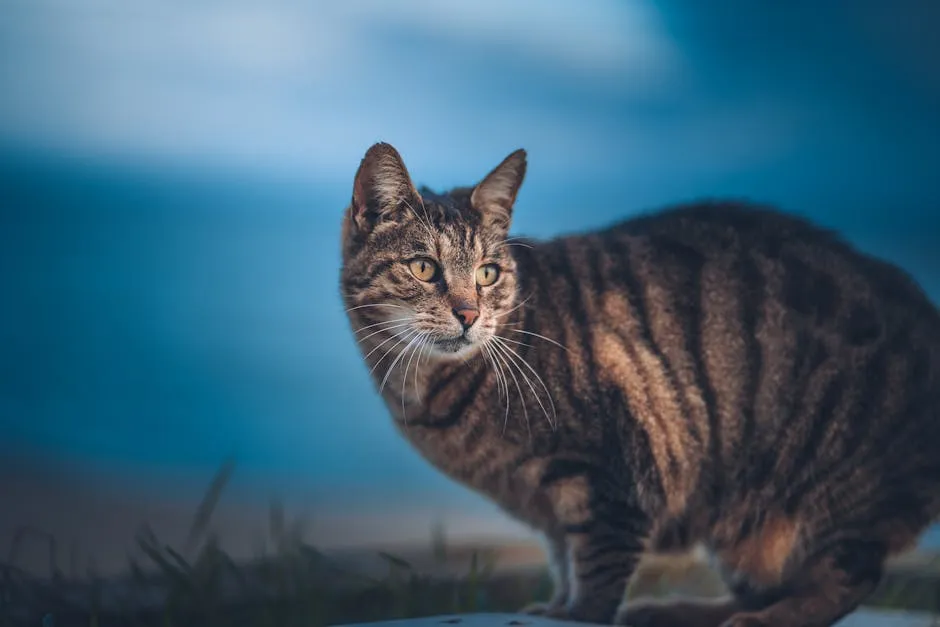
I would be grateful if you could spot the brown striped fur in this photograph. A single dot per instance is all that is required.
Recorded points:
(718, 374)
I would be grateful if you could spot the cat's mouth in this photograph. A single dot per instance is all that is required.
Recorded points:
(452, 344)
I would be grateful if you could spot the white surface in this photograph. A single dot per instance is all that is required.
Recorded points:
(862, 618)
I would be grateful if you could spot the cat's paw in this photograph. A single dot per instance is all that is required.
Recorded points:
(548, 610)
(677, 614)
(539, 609)
(582, 613)
(745, 620)
(647, 615)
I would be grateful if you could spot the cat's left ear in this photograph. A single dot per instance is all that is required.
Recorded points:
(495, 195)
(382, 187)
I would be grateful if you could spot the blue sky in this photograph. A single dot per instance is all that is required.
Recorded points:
(306, 86)
(174, 173)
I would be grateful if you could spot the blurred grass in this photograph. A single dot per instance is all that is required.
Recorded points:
(291, 583)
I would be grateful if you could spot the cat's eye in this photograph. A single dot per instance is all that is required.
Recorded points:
(487, 274)
(423, 269)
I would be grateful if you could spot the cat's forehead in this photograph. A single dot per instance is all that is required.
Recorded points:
(455, 228)
(459, 245)
(446, 233)
(445, 227)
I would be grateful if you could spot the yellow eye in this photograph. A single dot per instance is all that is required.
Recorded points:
(487, 274)
(423, 269)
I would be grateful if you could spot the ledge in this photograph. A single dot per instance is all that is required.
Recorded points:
(861, 618)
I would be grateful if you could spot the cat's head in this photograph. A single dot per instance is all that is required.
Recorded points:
(435, 269)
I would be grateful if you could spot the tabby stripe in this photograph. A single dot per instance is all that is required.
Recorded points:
(611, 571)
(752, 303)
(595, 550)
(691, 324)
(473, 436)
(484, 382)
(456, 409)
(631, 523)
(581, 324)
(604, 574)
(821, 417)
(554, 269)
(580, 528)
(671, 461)
(559, 469)
(695, 345)
(872, 403)
(638, 304)
(807, 363)
(372, 273)
(466, 400)
(471, 235)
(597, 285)
(442, 384)
(635, 296)
(607, 548)
(644, 468)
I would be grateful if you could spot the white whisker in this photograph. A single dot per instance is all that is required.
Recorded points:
(507, 244)
(508, 365)
(375, 305)
(391, 349)
(425, 223)
(425, 343)
(400, 355)
(506, 313)
(502, 386)
(547, 339)
(386, 341)
(500, 378)
(383, 330)
(420, 338)
(506, 339)
(513, 354)
(369, 326)
(513, 364)
(427, 215)
(515, 359)
(517, 239)
(488, 357)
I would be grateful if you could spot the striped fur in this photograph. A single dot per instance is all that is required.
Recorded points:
(719, 374)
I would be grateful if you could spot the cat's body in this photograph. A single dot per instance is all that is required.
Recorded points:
(718, 374)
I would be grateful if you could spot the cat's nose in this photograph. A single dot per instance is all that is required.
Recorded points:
(467, 316)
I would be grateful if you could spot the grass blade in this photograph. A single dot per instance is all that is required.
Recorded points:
(207, 505)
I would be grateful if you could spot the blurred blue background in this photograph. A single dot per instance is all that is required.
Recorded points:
(173, 174)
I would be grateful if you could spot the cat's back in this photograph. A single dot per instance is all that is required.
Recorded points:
(779, 258)
(695, 277)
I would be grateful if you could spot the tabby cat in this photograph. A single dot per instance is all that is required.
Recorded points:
(718, 374)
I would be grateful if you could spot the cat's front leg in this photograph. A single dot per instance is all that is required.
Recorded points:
(603, 557)
(559, 563)
(602, 544)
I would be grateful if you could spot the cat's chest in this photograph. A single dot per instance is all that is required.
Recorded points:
(457, 417)
(460, 432)
(503, 469)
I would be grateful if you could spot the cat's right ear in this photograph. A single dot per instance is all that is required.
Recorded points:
(381, 188)
(495, 195)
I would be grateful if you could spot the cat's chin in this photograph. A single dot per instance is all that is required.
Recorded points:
(459, 346)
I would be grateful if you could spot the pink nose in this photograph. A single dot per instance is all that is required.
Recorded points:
(467, 316)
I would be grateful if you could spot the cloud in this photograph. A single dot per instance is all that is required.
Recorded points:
(294, 84)
(600, 37)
